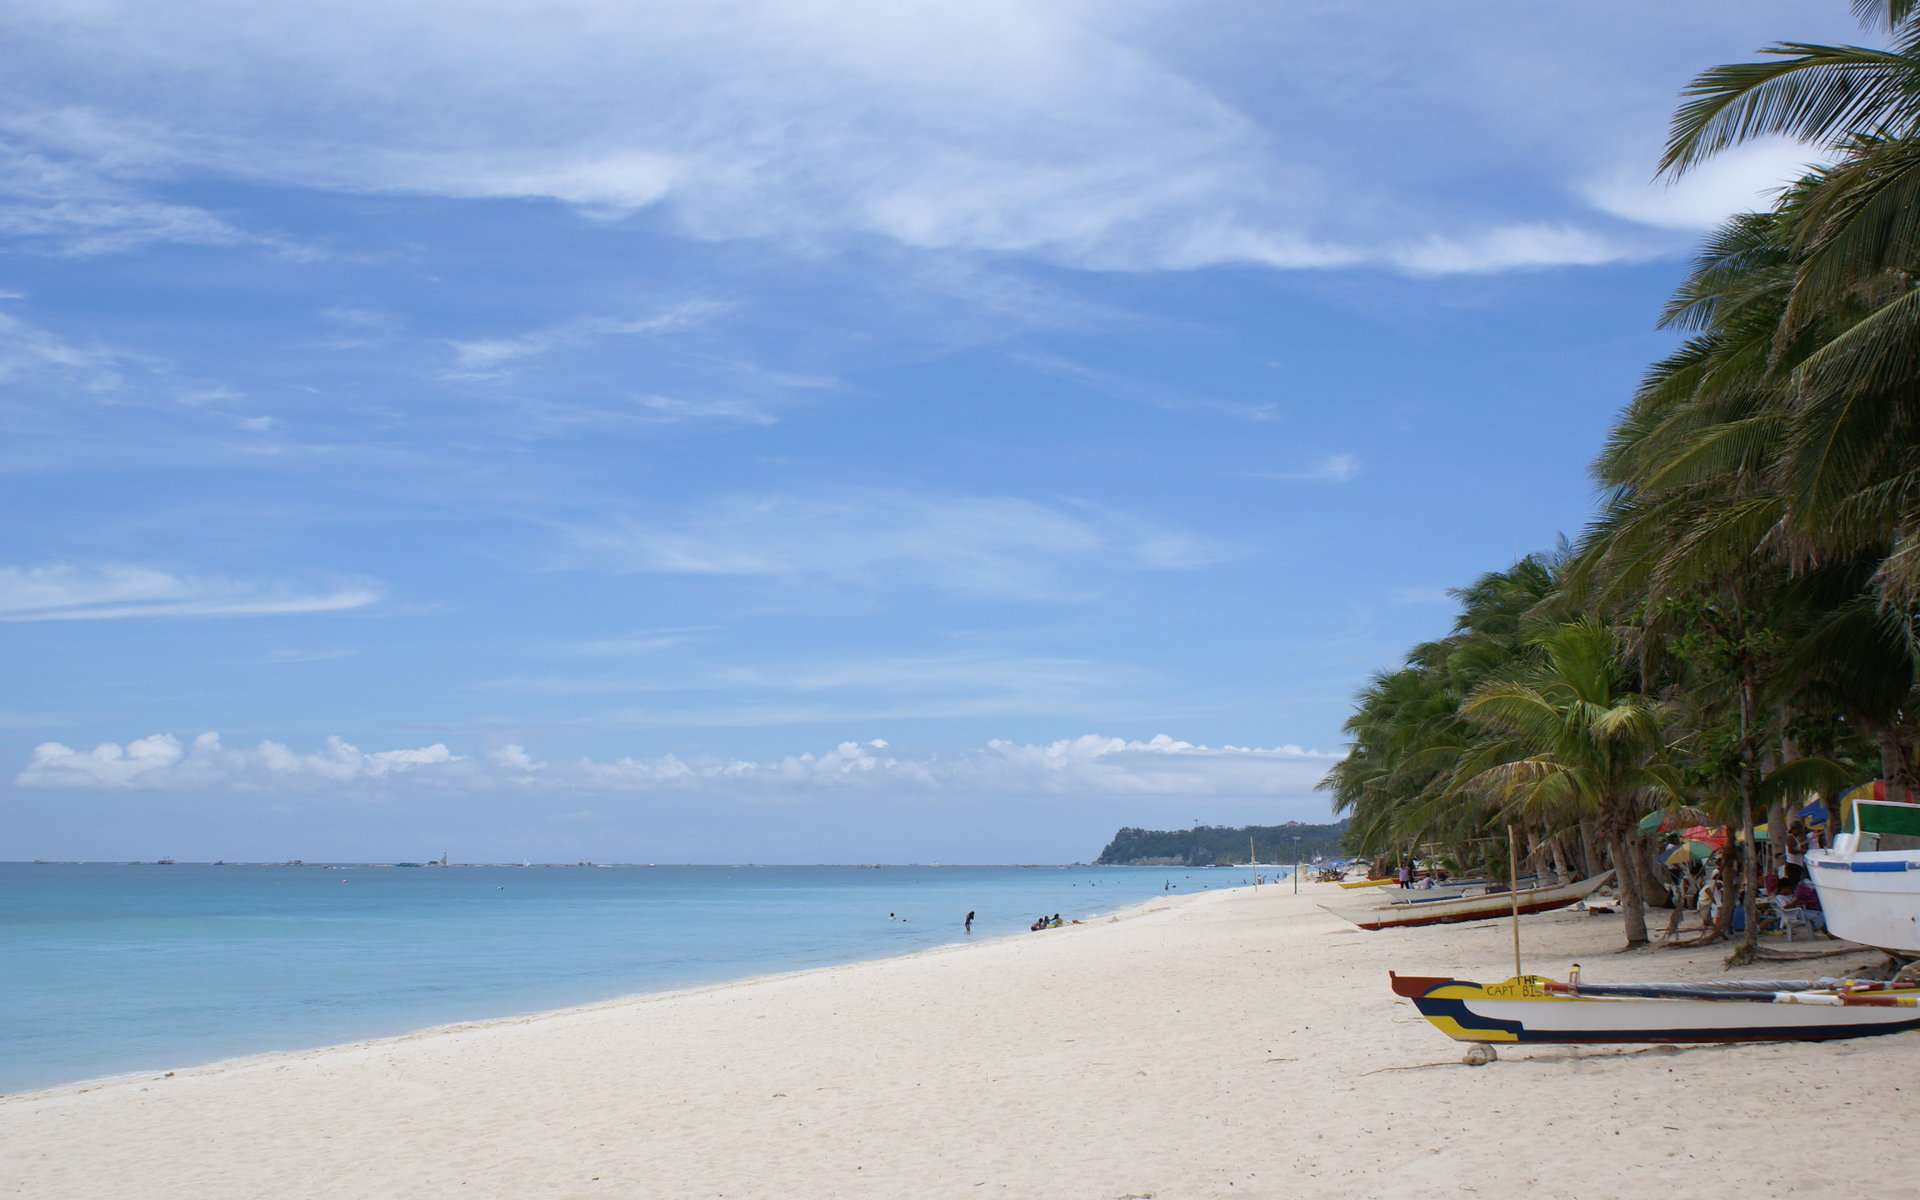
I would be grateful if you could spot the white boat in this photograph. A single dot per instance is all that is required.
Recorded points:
(1446, 910)
(1869, 881)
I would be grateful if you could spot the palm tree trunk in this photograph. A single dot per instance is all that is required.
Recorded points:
(1624, 846)
(1777, 808)
(1749, 879)
(1893, 763)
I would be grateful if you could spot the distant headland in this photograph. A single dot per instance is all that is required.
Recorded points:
(1222, 845)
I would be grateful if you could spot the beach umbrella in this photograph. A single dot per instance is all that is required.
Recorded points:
(1666, 820)
(1696, 842)
(1714, 836)
(1687, 851)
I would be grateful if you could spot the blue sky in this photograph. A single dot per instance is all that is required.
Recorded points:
(790, 431)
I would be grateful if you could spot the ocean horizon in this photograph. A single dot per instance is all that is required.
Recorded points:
(121, 968)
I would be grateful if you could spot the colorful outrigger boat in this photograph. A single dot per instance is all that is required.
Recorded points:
(1444, 910)
(1869, 882)
(1530, 1009)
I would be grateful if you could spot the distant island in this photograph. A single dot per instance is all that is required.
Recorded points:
(1222, 845)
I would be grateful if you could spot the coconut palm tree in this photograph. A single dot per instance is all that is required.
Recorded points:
(1406, 732)
(1572, 738)
(1846, 340)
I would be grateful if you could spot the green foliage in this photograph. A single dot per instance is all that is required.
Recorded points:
(1739, 626)
(1207, 845)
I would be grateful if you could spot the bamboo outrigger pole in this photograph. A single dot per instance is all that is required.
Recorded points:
(1513, 890)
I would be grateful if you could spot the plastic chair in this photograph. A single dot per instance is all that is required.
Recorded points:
(1784, 917)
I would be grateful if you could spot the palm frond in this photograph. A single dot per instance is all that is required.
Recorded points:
(1813, 93)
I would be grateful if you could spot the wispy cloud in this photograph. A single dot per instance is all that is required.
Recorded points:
(98, 592)
(984, 545)
(28, 350)
(488, 357)
(308, 656)
(907, 687)
(50, 370)
(1334, 468)
(1521, 247)
(1088, 767)
(1140, 391)
(1104, 136)
(75, 181)
(640, 643)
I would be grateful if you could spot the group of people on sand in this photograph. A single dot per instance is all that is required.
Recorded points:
(1409, 876)
(1788, 897)
(1046, 922)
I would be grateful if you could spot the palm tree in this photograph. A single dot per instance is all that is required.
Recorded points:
(1848, 461)
(1575, 742)
(1407, 736)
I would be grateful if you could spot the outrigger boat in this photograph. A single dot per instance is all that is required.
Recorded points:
(1444, 910)
(1530, 1009)
(1869, 882)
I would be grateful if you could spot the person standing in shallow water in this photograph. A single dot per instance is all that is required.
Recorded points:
(969, 922)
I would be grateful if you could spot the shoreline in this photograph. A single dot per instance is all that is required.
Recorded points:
(1229, 1042)
(514, 943)
(94, 1082)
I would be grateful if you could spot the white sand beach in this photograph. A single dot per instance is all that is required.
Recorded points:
(1235, 1043)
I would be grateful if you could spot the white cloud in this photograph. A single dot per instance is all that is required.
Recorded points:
(1334, 468)
(986, 545)
(1099, 135)
(28, 350)
(920, 687)
(727, 408)
(1744, 179)
(75, 179)
(52, 371)
(1514, 247)
(106, 765)
(922, 673)
(489, 357)
(643, 642)
(159, 762)
(67, 592)
(1134, 390)
(1090, 767)
(307, 656)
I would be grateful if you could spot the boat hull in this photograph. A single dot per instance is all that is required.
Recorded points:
(1872, 898)
(1465, 908)
(1521, 1011)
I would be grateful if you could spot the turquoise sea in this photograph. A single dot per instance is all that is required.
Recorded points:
(120, 968)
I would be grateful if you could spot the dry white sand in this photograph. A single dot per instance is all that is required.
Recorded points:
(1239, 1043)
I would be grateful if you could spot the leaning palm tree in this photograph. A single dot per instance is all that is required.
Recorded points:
(1573, 739)
(1407, 737)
